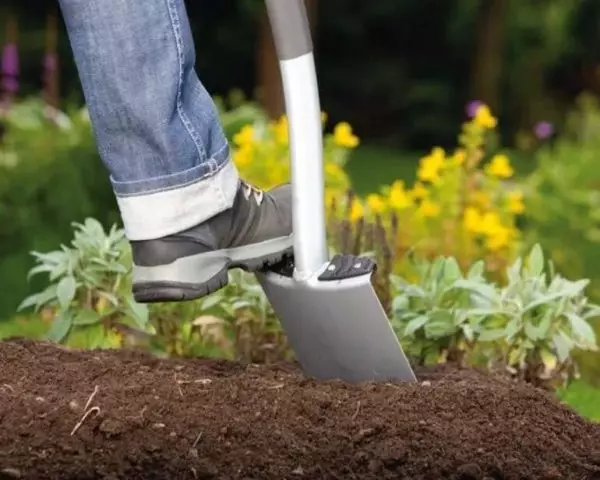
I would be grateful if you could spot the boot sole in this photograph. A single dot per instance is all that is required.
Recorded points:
(200, 275)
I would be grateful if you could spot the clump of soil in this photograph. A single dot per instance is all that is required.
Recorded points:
(125, 415)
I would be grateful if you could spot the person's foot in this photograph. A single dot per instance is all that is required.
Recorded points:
(254, 234)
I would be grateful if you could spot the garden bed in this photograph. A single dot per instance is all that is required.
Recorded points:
(122, 414)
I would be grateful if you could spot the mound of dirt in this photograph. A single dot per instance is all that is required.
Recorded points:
(125, 415)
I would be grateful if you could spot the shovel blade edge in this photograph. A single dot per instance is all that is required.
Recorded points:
(338, 330)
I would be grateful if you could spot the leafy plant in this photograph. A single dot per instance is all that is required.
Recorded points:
(89, 292)
(562, 197)
(529, 328)
(538, 319)
(437, 317)
(247, 320)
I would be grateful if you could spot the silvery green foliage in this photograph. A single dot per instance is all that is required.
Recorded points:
(438, 313)
(242, 292)
(537, 316)
(539, 313)
(89, 286)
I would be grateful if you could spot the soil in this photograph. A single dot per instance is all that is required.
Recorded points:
(126, 415)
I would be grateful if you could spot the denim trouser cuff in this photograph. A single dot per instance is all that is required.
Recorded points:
(147, 216)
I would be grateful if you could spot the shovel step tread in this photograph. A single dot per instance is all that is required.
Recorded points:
(342, 267)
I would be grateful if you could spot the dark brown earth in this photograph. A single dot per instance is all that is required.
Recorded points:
(205, 419)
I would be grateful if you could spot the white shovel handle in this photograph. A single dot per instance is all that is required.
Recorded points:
(291, 32)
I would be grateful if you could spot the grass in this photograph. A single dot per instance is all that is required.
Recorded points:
(371, 166)
(583, 398)
(22, 326)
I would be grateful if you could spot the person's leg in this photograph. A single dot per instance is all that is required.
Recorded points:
(183, 207)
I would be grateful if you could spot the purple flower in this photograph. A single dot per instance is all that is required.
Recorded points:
(10, 60)
(543, 130)
(472, 107)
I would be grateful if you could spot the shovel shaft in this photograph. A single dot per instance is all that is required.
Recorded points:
(289, 24)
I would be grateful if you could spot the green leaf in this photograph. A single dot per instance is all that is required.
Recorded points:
(39, 299)
(96, 335)
(531, 331)
(484, 290)
(110, 297)
(211, 301)
(562, 344)
(86, 317)
(535, 261)
(440, 324)
(476, 270)
(415, 324)
(238, 304)
(451, 270)
(491, 335)
(514, 271)
(39, 269)
(65, 291)
(60, 327)
(511, 329)
(139, 312)
(581, 328)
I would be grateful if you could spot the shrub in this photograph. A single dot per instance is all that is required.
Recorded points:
(89, 292)
(528, 327)
(562, 197)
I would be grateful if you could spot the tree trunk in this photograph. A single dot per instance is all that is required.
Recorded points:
(270, 89)
(488, 57)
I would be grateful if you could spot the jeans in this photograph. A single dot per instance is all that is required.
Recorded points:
(156, 127)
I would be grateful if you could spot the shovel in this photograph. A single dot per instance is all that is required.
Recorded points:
(328, 309)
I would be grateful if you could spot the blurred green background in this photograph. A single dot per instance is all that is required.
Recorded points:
(401, 73)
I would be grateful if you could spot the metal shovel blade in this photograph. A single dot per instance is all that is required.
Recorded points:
(328, 309)
(336, 325)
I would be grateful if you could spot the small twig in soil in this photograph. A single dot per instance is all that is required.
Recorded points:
(357, 411)
(179, 382)
(6, 386)
(198, 438)
(95, 410)
(91, 397)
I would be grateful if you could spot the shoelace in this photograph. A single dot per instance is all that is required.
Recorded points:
(257, 193)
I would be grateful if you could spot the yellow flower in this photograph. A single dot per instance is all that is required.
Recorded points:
(490, 224)
(484, 118)
(419, 191)
(376, 203)
(343, 136)
(399, 199)
(499, 239)
(459, 157)
(242, 157)
(245, 136)
(430, 166)
(429, 209)
(515, 202)
(356, 211)
(472, 220)
(500, 167)
(333, 169)
(281, 130)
